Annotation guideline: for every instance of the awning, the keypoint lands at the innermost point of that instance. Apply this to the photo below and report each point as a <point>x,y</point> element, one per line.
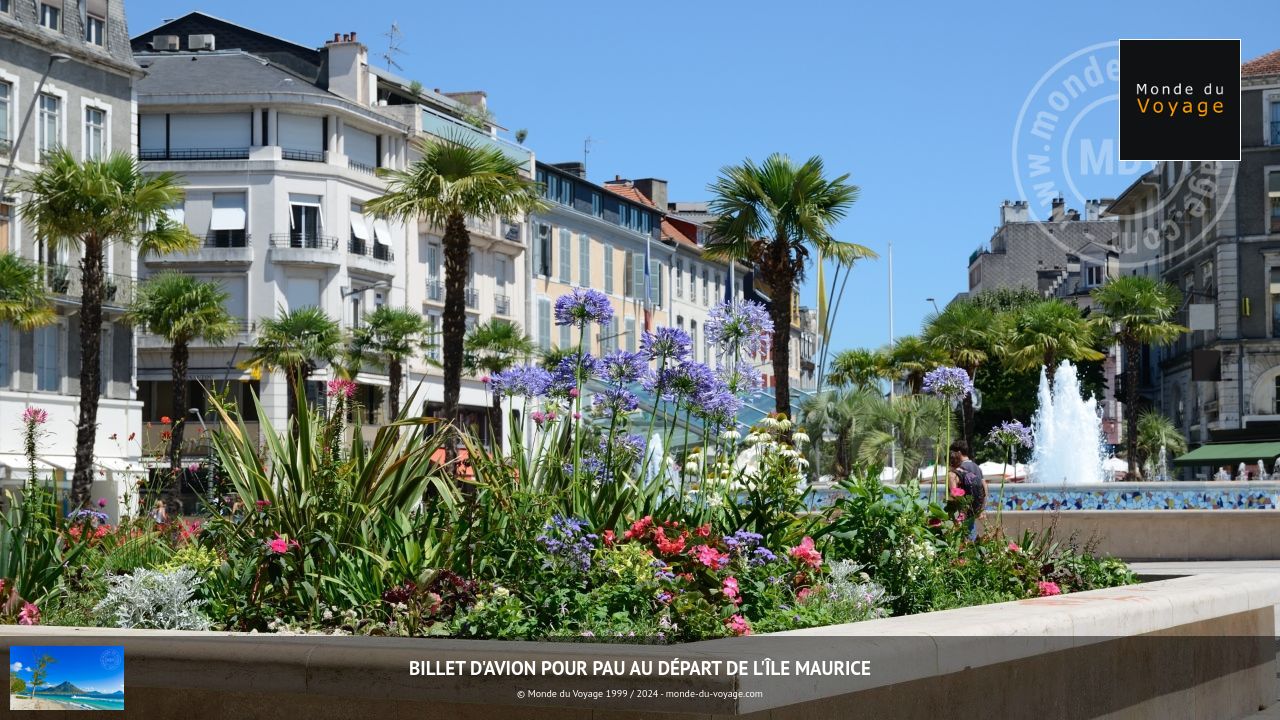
<point>1230,453</point>
<point>62,462</point>
<point>19,462</point>
<point>382,231</point>
<point>177,214</point>
<point>228,212</point>
<point>358,228</point>
<point>119,465</point>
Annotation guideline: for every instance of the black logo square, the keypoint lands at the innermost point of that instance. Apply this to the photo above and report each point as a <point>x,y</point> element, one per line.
<point>1179,100</point>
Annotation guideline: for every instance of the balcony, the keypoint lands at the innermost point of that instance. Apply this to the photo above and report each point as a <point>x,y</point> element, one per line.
<point>243,332</point>
<point>435,291</point>
<point>361,167</point>
<point>370,257</point>
<point>502,305</point>
<point>220,246</point>
<point>299,248</point>
<point>63,282</point>
<point>1275,132</point>
<point>240,153</point>
<point>473,298</point>
<point>303,155</point>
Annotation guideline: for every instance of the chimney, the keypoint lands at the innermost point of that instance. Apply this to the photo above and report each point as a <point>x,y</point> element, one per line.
<point>1012,212</point>
<point>1059,210</point>
<point>577,168</point>
<point>654,189</point>
<point>348,63</point>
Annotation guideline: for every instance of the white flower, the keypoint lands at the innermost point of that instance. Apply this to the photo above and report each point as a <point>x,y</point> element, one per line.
<point>800,438</point>
<point>730,435</point>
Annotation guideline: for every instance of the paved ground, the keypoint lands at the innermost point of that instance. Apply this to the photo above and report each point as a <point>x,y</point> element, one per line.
<point>1220,566</point>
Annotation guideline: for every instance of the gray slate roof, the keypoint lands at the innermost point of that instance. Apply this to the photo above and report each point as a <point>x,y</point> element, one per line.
<point>230,72</point>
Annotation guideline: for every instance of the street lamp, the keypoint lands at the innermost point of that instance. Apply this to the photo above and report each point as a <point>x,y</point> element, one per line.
<point>54,59</point>
<point>380,285</point>
<point>935,305</point>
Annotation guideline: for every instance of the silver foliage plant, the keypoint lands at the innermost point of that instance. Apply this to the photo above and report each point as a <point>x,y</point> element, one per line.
<point>848,584</point>
<point>152,599</point>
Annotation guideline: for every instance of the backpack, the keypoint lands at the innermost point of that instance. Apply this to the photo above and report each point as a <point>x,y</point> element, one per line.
<point>970,480</point>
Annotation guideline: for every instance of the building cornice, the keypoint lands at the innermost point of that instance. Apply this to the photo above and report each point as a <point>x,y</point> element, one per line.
<point>51,42</point>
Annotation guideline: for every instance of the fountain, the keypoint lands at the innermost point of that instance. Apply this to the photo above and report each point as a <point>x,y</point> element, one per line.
<point>1068,433</point>
<point>1162,470</point>
<point>1240,473</point>
<point>1262,471</point>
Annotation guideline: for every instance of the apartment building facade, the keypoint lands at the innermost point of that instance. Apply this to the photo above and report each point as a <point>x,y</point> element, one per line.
<point>279,145</point>
<point>66,81</point>
<point>1213,230</point>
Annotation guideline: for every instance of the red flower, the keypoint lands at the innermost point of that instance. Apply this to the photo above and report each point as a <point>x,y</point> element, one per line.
<point>1047,588</point>
<point>730,589</point>
<point>805,553</point>
<point>673,546</point>
<point>934,522</point>
<point>165,420</point>
<point>639,528</point>
<point>738,625</point>
<point>957,492</point>
<point>704,531</point>
<point>608,538</point>
<point>132,435</point>
<point>279,545</point>
<point>710,557</point>
<point>1013,547</point>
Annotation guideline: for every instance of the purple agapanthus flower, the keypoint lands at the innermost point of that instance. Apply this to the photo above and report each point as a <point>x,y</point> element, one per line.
<point>1010,433</point>
<point>583,306</point>
<point>573,372</point>
<point>615,400</point>
<point>717,407</point>
<point>951,383</point>
<point>630,446</point>
<point>529,381</point>
<point>667,345</point>
<point>622,367</point>
<point>744,379</point>
<point>685,381</point>
<point>742,326</point>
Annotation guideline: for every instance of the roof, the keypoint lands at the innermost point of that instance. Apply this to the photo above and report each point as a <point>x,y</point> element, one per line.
<point>670,230</point>
<point>1230,453</point>
<point>1268,64</point>
<point>220,72</point>
<point>629,192</point>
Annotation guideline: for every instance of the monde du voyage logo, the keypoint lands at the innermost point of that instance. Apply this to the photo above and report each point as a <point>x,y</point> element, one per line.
<point>1179,100</point>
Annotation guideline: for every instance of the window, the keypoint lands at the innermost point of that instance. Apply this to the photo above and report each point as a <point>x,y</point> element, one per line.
<point>95,23</point>
<point>597,208</point>
<point>719,289</point>
<point>6,98</point>
<point>631,334</point>
<point>51,15</point>
<point>566,337</point>
<point>693,337</point>
<point>608,269</point>
<point>4,6</point>
<point>544,324</point>
<point>679,278</point>
<point>305,221</point>
<point>584,261</point>
<point>586,338</point>
<point>558,189</point>
<point>1275,302</point>
<point>1093,275</point>
<point>95,133</point>
<point>6,213</point>
<point>655,282</point>
<point>228,222</point>
<point>705,294</point>
<point>104,363</point>
<point>500,273</point>
<point>6,372</point>
<point>1276,409</point>
<point>50,125</point>
<point>542,252</point>
<point>566,245</point>
<point>1275,122</point>
<point>634,286</point>
<point>48,368</point>
<point>1206,276</point>
<point>1273,198</point>
<point>433,336</point>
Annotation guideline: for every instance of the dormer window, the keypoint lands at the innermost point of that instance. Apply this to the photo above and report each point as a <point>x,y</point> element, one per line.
<point>51,14</point>
<point>1094,275</point>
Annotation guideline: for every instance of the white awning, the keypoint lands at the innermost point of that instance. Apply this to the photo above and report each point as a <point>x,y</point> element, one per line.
<point>228,212</point>
<point>177,214</point>
<point>119,465</point>
<point>358,227</point>
<point>382,231</point>
<point>19,462</point>
<point>62,462</point>
<point>371,379</point>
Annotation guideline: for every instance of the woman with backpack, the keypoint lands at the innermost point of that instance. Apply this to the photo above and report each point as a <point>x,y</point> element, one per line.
<point>966,487</point>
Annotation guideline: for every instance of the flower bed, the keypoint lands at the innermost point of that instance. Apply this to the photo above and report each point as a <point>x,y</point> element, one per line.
<point>592,527</point>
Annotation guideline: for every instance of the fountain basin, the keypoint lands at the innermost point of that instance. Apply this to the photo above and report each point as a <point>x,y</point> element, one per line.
<point>1110,496</point>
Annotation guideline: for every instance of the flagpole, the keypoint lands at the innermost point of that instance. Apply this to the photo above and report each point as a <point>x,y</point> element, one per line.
<point>893,445</point>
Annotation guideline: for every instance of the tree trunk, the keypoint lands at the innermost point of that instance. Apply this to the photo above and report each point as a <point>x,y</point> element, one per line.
<point>495,424</point>
<point>179,357</point>
<point>780,283</point>
<point>394,371</point>
<point>1130,356</point>
<point>90,369</point>
<point>457,251</point>
<point>966,411</point>
<point>1050,367</point>
<point>291,395</point>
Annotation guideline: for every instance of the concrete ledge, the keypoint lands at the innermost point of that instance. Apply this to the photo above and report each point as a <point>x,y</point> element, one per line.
<point>1202,642</point>
<point>1158,534</point>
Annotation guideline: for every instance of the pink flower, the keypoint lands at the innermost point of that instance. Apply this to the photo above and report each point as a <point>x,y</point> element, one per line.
<point>738,625</point>
<point>193,468</point>
<point>280,546</point>
<point>30,614</point>
<point>485,379</point>
<point>960,517</point>
<point>710,557</point>
<point>804,594</point>
<point>35,416</point>
<point>577,416</point>
<point>538,416</point>
<point>805,553</point>
<point>262,503</point>
<point>731,590</point>
<point>1048,588</point>
<point>102,502</point>
<point>1013,547</point>
<point>341,387</point>
<point>957,492</point>
<point>573,392</point>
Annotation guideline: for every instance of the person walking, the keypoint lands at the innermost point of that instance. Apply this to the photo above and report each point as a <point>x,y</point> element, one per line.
<point>966,486</point>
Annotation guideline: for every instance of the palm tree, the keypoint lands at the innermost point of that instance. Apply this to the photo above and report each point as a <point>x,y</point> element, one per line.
<point>181,308</point>
<point>909,427</point>
<point>858,368</point>
<point>839,419</point>
<point>1156,431</point>
<point>22,298</point>
<point>1045,334</point>
<point>452,180</point>
<point>911,357</point>
<point>89,207</point>
<point>964,332</point>
<point>1138,311</point>
<point>770,215</point>
<point>491,348</point>
<point>295,342</point>
<point>394,334</point>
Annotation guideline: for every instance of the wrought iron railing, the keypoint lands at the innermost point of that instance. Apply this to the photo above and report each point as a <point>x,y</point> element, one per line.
<point>501,305</point>
<point>360,167</point>
<point>66,282</point>
<point>226,239</point>
<point>196,154</point>
<point>473,298</point>
<point>310,241</point>
<point>1275,132</point>
<point>435,290</point>
<point>375,250</point>
<point>304,155</point>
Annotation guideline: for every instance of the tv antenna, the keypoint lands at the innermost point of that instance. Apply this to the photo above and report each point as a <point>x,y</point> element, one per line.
<point>393,37</point>
<point>586,148</point>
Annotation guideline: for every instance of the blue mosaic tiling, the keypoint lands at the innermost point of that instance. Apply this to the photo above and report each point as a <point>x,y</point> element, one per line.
<point>1117,496</point>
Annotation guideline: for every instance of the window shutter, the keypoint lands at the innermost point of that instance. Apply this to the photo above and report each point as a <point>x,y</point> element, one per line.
<point>566,338</point>
<point>608,269</point>
<point>584,260</point>
<point>586,338</point>
<point>637,281</point>
<point>627,276</point>
<point>655,287</point>
<point>631,334</point>
<point>544,323</point>
<point>566,245</point>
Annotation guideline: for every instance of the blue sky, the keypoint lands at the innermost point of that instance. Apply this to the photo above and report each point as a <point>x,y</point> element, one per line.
<point>82,666</point>
<point>917,101</point>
